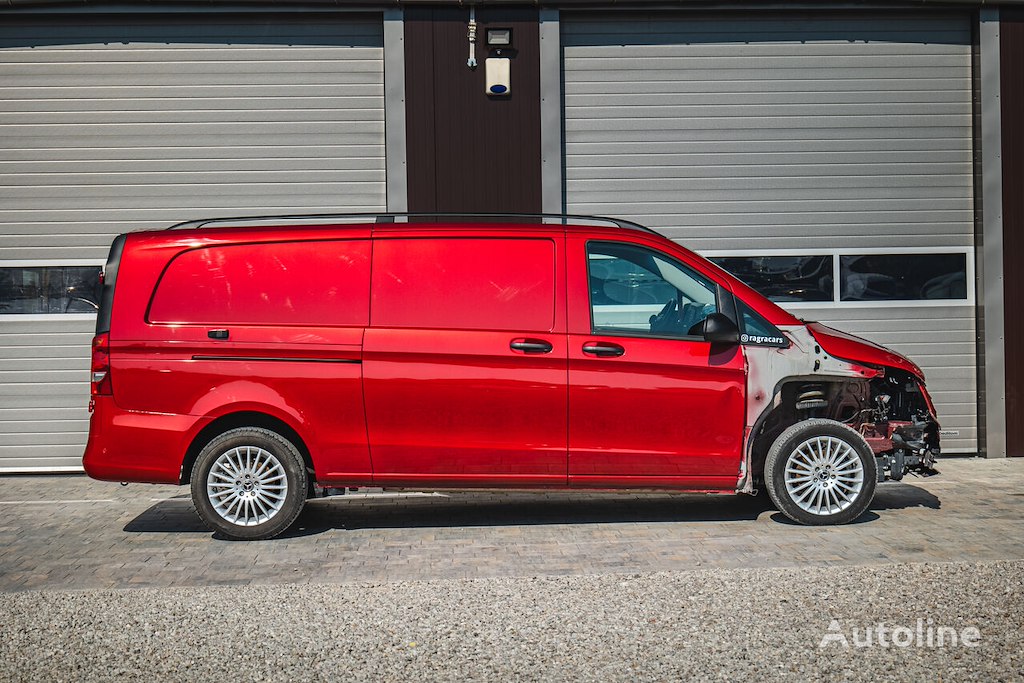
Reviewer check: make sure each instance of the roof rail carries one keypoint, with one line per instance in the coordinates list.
(394, 218)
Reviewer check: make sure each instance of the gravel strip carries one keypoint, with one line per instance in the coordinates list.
(763, 624)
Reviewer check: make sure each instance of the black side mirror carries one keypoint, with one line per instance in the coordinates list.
(718, 328)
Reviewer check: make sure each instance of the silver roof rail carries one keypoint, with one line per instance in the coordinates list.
(328, 218)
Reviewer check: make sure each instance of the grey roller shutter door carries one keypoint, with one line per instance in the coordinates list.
(114, 123)
(788, 132)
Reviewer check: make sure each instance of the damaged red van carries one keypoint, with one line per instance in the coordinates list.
(260, 360)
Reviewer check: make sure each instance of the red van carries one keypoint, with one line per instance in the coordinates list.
(259, 359)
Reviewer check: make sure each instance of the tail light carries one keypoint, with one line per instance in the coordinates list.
(101, 385)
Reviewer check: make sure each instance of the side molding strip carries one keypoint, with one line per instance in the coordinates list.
(355, 361)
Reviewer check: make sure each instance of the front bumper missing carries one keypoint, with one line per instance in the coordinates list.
(904, 447)
(900, 462)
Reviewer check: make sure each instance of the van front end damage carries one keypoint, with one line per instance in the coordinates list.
(888, 405)
(891, 410)
(900, 425)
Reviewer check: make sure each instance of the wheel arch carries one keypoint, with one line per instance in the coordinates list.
(782, 414)
(244, 418)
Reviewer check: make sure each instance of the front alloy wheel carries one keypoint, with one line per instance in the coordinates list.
(824, 475)
(821, 472)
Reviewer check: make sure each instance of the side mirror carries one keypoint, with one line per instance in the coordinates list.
(718, 328)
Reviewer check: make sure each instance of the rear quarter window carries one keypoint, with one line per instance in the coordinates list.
(464, 283)
(285, 283)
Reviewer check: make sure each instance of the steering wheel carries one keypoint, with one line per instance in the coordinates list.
(663, 319)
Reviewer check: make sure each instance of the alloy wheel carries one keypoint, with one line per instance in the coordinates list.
(824, 475)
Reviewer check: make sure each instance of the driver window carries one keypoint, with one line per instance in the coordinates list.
(638, 291)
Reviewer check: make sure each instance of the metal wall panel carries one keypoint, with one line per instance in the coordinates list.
(44, 391)
(115, 123)
(776, 132)
(111, 124)
(779, 133)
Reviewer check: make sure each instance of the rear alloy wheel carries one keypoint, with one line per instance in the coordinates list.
(821, 472)
(249, 483)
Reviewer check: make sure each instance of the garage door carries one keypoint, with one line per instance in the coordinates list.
(826, 160)
(115, 124)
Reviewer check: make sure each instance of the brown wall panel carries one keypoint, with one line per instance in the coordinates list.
(467, 151)
(1011, 58)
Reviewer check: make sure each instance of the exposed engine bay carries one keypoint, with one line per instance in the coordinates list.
(891, 411)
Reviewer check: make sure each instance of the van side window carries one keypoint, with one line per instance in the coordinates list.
(464, 283)
(640, 292)
(285, 283)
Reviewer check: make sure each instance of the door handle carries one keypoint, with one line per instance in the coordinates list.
(603, 349)
(531, 346)
(217, 334)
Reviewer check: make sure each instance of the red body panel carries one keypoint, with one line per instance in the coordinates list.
(491, 283)
(314, 387)
(134, 446)
(848, 347)
(461, 406)
(276, 283)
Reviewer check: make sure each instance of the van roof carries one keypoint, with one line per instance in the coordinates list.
(314, 219)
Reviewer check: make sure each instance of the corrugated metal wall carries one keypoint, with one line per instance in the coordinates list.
(44, 370)
(788, 132)
(109, 124)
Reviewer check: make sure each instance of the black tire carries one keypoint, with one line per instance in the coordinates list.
(254, 489)
(831, 484)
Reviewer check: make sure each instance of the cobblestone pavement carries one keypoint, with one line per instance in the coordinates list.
(69, 532)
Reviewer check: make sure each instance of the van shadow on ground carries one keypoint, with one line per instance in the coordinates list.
(176, 515)
(891, 496)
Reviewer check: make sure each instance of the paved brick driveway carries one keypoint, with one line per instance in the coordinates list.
(71, 532)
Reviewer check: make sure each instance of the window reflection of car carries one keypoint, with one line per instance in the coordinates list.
(783, 293)
(49, 289)
(868, 286)
(80, 304)
(880, 277)
(950, 286)
(784, 278)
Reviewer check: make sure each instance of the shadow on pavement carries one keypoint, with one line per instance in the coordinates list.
(175, 515)
(517, 509)
(888, 496)
(526, 510)
(901, 495)
(466, 510)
